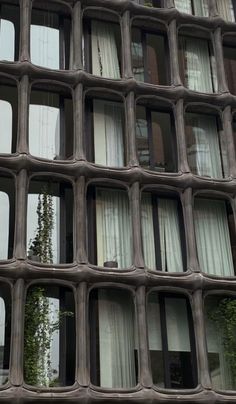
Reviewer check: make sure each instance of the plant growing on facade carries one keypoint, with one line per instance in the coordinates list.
(224, 317)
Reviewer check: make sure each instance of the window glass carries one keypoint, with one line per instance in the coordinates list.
(149, 57)
(50, 125)
(49, 222)
(113, 354)
(5, 332)
(110, 214)
(226, 9)
(105, 49)
(230, 66)
(50, 39)
(206, 155)
(7, 207)
(162, 234)
(8, 118)
(49, 336)
(196, 7)
(7, 40)
(150, 3)
(213, 237)
(155, 139)
(220, 317)
(171, 341)
(108, 127)
(197, 65)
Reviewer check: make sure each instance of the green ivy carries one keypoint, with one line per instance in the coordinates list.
(224, 317)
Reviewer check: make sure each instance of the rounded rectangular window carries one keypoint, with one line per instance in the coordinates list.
(109, 228)
(171, 341)
(113, 347)
(50, 38)
(49, 336)
(50, 221)
(155, 139)
(220, 320)
(206, 148)
(105, 125)
(9, 32)
(162, 233)
(8, 116)
(5, 332)
(215, 236)
(50, 125)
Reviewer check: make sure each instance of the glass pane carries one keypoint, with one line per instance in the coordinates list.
(142, 142)
(5, 332)
(49, 222)
(230, 66)
(226, 9)
(112, 339)
(203, 147)
(5, 126)
(4, 224)
(7, 40)
(137, 55)
(113, 228)
(108, 124)
(213, 237)
(184, 6)
(49, 337)
(220, 317)
(156, 59)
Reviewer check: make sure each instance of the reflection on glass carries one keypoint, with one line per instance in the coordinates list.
(50, 206)
(170, 342)
(7, 40)
(112, 339)
(49, 359)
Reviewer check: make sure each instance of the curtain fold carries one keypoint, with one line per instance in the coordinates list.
(116, 339)
(169, 233)
(212, 237)
(108, 133)
(113, 227)
(204, 155)
(105, 60)
(226, 10)
(200, 72)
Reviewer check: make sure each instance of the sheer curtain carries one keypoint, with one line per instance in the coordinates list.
(105, 61)
(44, 131)
(7, 40)
(108, 133)
(212, 237)
(4, 224)
(169, 233)
(113, 227)
(5, 126)
(200, 72)
(116, 339)
(226, 10)
(200, 7)
(44, 46)
(204, 153)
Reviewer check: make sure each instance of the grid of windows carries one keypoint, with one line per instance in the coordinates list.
(117, 201)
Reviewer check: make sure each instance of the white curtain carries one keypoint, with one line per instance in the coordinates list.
(226, 10)
(113, 227)
(108, 133)
(169, 232)
(7, 40)
(105, 61)
(116, 339)
(204, 154)
(5, 126)
(200, 7)
(200, 72)
(44, 131)
(32, 224)
(44, 46)
(4, 224)
(212, 237)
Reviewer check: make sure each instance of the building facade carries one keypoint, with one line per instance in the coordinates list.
(117, 201)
